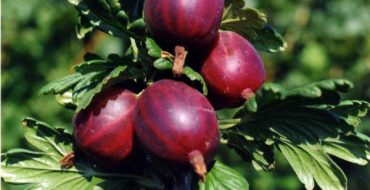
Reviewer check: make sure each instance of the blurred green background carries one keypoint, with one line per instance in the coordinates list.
(326, 39)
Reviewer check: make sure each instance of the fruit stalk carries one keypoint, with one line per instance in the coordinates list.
(178, 64)
(196, 159)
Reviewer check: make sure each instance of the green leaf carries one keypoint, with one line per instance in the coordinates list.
(195, 76)
(351, 111)
(268, 39)
(83, 27)
(61, 85)
(307, 124)
(260, 154)
(153, 48)
(20, 151)
(89, 82)
(99, 16)
(91, 77)
(236, 3)
(251, 104)
(74, 2)
(122, 17)
(252, 25)
(66, 100)
(244, 21)
(137, 27)
(222, 177)
(321, 89)
(268, 94)
(310, 162)
(41, 168)
(232, 7)
(42, 171)
(162, 64)
(47, 139)
(166, 64)
(317, 93)
(89, 94)
(95, 66)
(110, 17)
(350, 148)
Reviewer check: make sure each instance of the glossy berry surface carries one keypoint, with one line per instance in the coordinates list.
(189, 23)
(174, 121)
(233, 70)
(104, 130)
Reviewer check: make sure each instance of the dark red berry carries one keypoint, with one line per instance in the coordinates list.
(104, 130)
(185, 23)
(233, 70)
(177, 123)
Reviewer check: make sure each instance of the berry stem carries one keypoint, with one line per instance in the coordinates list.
(180, 57)
(197, 161)
(247, 93)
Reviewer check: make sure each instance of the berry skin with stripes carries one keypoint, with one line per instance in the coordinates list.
(233, 71)
(177, 123)
(104, 130)
(188, 23)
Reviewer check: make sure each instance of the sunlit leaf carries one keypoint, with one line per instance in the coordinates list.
(308, 124)
(223, 177)
(41, 168)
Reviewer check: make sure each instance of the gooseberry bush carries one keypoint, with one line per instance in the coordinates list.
(189, 80)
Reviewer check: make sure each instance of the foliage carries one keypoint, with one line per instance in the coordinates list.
(42, 168)
(219, 177)
(326, 39)
(308, 125)
(304, 133)
(251, 24)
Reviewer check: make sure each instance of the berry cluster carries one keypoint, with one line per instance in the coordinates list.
(169, 118)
